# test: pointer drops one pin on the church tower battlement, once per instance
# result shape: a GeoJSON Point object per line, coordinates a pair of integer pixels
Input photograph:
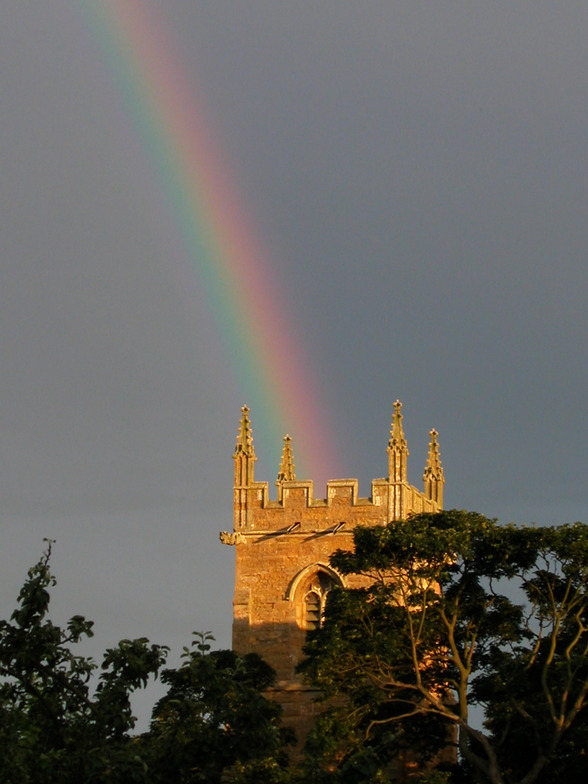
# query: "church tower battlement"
{"type": "Point", "coordinates": [282, 571]}
{"type": "Point", "coordinates": [392, 497]}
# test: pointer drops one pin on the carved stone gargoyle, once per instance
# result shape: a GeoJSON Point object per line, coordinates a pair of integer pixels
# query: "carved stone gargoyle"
{"type": "Point", "coordinates": [231, 537]}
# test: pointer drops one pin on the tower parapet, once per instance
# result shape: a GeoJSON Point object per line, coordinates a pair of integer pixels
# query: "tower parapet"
{"type": "Point", "coordinates": [392, 497]}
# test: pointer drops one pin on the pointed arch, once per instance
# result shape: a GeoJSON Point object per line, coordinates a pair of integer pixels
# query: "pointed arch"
{"type": "Point", "coordinates": [308, 593]}
{"type": "Point", "coordinates": [305, 575]}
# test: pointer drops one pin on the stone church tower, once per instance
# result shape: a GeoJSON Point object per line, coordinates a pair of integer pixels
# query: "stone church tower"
{"type": "Point", "coordinates": [282, 548]}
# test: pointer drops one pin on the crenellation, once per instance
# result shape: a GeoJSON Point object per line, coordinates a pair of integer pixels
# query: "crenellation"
{"type": "Point", "coordinates": [254, 509]}
{"type": "Point", "coordinates": [342, 492]}
{"type": "Point", "coordinates": [297, 494]}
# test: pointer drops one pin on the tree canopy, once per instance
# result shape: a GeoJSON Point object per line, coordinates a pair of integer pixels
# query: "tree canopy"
{"type": "Point", "coordinates": [464, 658]}
{"type": "Point", "coordinates": [215, 719]}
{"type": "Point", "coordinates": [469, 633]}
{"type": "Point", "coordinates": [54, 726]}
{"type": "Point", "coordinates": [60, 724]}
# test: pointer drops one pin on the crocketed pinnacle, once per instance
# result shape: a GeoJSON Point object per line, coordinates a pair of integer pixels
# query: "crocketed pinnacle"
{"type": "Point", "coordinates": [397, 440]}
{"type": "Point", "coordinates": [433, 469]}
{"type": "Point", "coordinates": [244, 438]}
{"type": "Point", "coordinates": [286, 472]}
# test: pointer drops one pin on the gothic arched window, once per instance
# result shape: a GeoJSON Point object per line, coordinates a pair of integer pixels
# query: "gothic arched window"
{"type": "Point", "coordinates": [308, 592]}
{"type": "Point", "coordinates": [315, 599]}
{"type": "Point", "coordinates": [312, 610]}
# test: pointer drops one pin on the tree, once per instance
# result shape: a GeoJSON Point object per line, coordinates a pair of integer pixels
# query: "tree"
{"type": "Point", "coordinates": [61, 721]}
{"type": "Point", "coordinates": [460, 613]}
{"type": "Point", "coordinates": [214, 721]}
{"type": "Point", "coordinates": [54, 726]}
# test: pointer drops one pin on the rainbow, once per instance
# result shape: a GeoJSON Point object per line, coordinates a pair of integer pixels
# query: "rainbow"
{"type": "Point", "coordinates": [228, 258]}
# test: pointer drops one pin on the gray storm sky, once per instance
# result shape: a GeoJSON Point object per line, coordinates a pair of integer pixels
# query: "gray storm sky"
{"type": "Point", "coordinates": [419, 170]}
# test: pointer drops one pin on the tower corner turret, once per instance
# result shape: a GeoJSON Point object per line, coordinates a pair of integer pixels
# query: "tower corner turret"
{"type": "Point", "coordinates": [433, 476]}
{"type": "Point", "coordinates": [244, 457]}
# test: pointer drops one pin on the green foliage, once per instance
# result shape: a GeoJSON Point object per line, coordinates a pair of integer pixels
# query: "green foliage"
{"type": "Point", "coordinates": [64, 720]}
{"type": "Point", "coordinates": [52, 727]}
{"type": "Point", "coordinates": [214, 718]}
{"type": "Point", "coordinates": [460, 612]}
